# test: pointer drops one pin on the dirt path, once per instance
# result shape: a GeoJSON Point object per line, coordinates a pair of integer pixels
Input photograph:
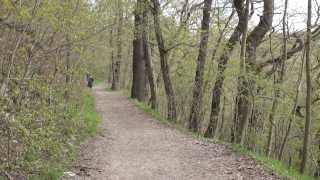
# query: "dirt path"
{"type": "Point", "coordinates": [134, 146]}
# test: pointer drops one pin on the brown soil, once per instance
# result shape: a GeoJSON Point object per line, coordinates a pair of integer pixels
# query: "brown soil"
{"type": "Point", "coordinates": [132, 145]}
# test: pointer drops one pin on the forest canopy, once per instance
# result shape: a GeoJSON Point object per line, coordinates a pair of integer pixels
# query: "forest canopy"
{"type": "Point", "coordinates": [241, 71]}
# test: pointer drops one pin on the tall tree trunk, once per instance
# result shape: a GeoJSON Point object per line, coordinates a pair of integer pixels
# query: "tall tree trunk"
{"type": "Point", "coordinates": [307, 132]}
{"type": "Point", "coordinates": [171, 97]}
{"type": "Point", "coordinates": [278, 80]}
{"type": "Point", "coordinates": [196, 104]}
{"type": "Point", "coordinates": [216, 46]}
{"type": "Point", "coordinates": [292, 115]}
{"type": "Point", "coordinates": [271, 120]}
{"type": "Point", "coordinates": [222, 62]}
{"type": "Point", "coordinates": [67, 69]}
{"type": "Point", "coordinates": [139, 84]}
{"type": "Point", "coordinates": [223, 119]}
{"type": "Point", "coordinates": [147, 58]}
{"type": "Point", "coordinates": [246, 89]}
{"type": "Point", "coordinates": [242, 77]}
{"type": "Point", "coordinates": [110, 71]}
{"type": "Point", "coordinates": [117, 64]}
{"type": "Point", "coordinates": [110, 74]}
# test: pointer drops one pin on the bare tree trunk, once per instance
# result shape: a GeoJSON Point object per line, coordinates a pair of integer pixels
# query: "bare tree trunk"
{"type": "Point", "coordinates": [117, 64]}
{"type": "Point", "coordinates": [196, 104]}
{"type": "Point", "coordinates": [139, 84]}
{"type": "Point", "coordinates": [278, 81]}
{"type": "Point", "coordinates": [293, 112]}
{"type": "Point", "coordinates": [125, 66]}
{"type": "Point", "coordinates": [217, 45]}
{"type": "Point", "coordinates": [242, 77]}
{"type": "Point", "coordinates": [171, 97]}
{"type": "Point", "coordinates": [316, 160]}
{"type": "Point", "coordinates": [67, 69]}
{"type": "Point", "coordinates": [147, 58]}
{"type": "Point", "coordinates": [110, 74]}
{"type": "Point", "coordinates": [110, 71]}
{"type": "Point", "coordinates": [271, 128]}
{"type": "Point", "coordinates": [247, 88]}
{"type": "Point", "coordinates": [223, 110]}
{"type": "Point", "coordinates": [307, 132]}
{"type": "Point", "coordinates": [222, 62]}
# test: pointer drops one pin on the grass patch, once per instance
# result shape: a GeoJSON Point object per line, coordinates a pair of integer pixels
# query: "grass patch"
{"type": "Point", "coordinates": [49, 173]}
{"type": "Point", "coordinates": [166, 122]}
{"type": "Point", "coordinates": [91, 117]}
{"type": "Point", "coordinates": [274, 165]}
{"type": "Point", "coordinates": [160, 117]}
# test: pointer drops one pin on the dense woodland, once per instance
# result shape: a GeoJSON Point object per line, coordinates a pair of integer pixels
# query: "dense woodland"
{"type": "Point", "coordinates": [236, 71]}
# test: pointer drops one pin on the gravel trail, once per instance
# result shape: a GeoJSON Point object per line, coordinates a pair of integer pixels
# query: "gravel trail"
{"type": "Point", "coordinates": [132, 145]}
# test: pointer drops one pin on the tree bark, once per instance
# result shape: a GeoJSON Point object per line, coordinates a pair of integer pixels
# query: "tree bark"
{"type": "Point", "coordinates": [117, 64]}
{"type": "Point", "coordinates": [171, 97]}
{"type": "Point", "coordinates": [307, 132]}
{"type": "Point", "coordinates": [147, 58]}
{"type": "Point", "coordinates": [222, 62]}
{"type": "Point", "coordinates": [278, 81]}
{"type": "Point", "coordinates": [293, 112]}
{"type": "Point", "coordinates": [139, 79]}
{"type": "Point", "coordinates": [223, 119]}
{"type": "Point", "coordinates": [196, 104]}
{"type": "Point", "coordinates": [110, 74]}
{"type": "Point", "coordinates": [242, 78]}
{"type": "Point", "coordinates": [67, 70]}
{"type": "Point", "coordinates": [247, 88]}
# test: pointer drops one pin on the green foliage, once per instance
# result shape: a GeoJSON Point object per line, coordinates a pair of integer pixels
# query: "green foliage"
{"type": "Point", "coordinates": [157, 115]}
{"type": "Point", "coordinates": [90, 115]}
{"type": "Point", "coordinates": [276, 166]}
{"type": "Point", "coordinates": [54, 148]}
{"type": "Point", "coordinates": [45, 111]}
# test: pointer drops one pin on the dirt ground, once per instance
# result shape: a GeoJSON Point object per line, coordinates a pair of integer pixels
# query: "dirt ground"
{"type": "Point", "coordinates": [134, 146]}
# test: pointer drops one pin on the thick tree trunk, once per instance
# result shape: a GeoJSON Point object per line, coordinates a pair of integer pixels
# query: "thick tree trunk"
{"type": "Point", "coordinates": [246, 89]}
{"type": "Point", "coordinates": [171, 97]}
{"type": "Point", "coordinates": [117, 64]}
{"type": "Point", "coordinates": [242, 79]}
{"type": "Point", "coordinates": [307, 132]}
{"type": "Point", "coordinates": [222, 62]}
{"type": "Point", "coordinates": [196, 104]}
{"type": "Point", "coordinates": [222, 35]}
{"type": "Point", "coordinates": [139, 83]}
{"type": "Point", "coordinates": [147, 58]}
{"type": "Point", "coordinates": [110, 72]}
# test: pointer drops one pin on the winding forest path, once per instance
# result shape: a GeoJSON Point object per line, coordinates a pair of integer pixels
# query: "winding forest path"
{"type": "Point", "coordinates": [134, 146]}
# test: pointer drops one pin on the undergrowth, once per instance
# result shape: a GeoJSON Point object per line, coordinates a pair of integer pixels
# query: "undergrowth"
{"type": "Point", "coordinates": [159, 117]}
{"type": "Point", "coordinates": [275, 165]}
{"type": "Point", "coordinates": [91, 116]}
{"type": "Point", "coordinates": [81, 122]}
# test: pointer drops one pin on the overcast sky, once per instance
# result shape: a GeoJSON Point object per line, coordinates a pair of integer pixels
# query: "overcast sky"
{"type": "Point", "coordinates": [297, 12]}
